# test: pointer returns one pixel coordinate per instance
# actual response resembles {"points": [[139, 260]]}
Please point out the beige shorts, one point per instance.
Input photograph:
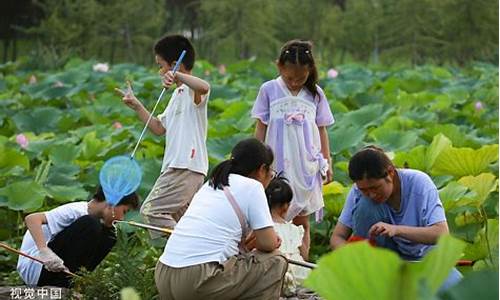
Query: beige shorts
{"points": [[255, 275], [168, 200]]}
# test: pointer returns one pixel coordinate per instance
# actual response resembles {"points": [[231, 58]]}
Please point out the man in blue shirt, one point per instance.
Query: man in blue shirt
{"points": [[399, 209]]}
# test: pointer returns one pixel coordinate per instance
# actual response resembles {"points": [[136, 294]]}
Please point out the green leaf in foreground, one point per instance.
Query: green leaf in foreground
{"points": [[129, 293], [480, 285], [436, 266], [358, 271]]}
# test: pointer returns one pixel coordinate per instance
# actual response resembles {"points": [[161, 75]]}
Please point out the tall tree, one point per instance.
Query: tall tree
{"points": [[87, 28], [15, 14], [243, 27], [469, 29]]}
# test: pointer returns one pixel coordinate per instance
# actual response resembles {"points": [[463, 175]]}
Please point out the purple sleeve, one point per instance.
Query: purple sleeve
{"points": [[260, 108], [324, 116], [346, 214], [434, 212]]}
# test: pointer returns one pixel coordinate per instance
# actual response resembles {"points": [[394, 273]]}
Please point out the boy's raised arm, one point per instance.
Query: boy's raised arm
{"points": [[198, 85], [131, 101]]}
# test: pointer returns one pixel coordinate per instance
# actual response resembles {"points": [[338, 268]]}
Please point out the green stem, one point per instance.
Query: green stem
{"points": [[18, 223], [485, 218]]}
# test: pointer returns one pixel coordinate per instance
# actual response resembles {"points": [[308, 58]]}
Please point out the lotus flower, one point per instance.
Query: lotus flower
{"points": [[58, 84], [22, 141], [32, 79], [117, 125], [222, 69], [101, 67], [332, 73], [478, 106]]}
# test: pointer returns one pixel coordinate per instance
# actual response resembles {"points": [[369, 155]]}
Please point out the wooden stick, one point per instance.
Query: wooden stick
{"points": [[170, 231], [160, 229], [7, 247], [304, 264]]}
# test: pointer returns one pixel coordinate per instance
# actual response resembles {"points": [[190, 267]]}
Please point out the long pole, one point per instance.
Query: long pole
{"points": [[170, 231], [174, 70], [7, 247], [160, 229]]}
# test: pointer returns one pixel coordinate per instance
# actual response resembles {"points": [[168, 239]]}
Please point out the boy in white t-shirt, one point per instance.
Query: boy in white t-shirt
{"points": [[69, 237], [184, 123]]}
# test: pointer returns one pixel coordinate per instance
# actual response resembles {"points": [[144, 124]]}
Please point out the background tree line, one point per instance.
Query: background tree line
{"points": [[48, 32]]}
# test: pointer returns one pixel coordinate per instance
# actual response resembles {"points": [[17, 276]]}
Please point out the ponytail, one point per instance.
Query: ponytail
{"points": [[278, 192], [311, 82], [220, 175], [246, 157]]}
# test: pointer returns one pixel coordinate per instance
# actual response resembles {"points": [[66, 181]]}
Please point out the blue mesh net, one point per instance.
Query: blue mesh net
{"points": [[119, 176]]}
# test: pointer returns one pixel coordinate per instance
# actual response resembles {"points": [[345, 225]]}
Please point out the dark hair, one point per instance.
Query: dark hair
{"points": [[278, 192], [131, 200], [299, 52], [170, 47], [247, 156], [369, 163]]}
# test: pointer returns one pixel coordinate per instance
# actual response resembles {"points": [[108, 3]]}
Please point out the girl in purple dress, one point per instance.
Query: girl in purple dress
{"points": [[292, 115]]}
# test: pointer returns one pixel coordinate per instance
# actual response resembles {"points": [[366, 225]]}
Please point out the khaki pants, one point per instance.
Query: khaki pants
{"points": [[170, 197], [254, 275]]}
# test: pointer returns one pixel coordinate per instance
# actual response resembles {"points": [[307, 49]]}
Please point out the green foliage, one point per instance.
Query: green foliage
{"points": [[482, 185], [375, 31], [238, 27], [465, 161], [426, 117], [116, 272], [129, 294], [108, 29], [481, 285], [17, 199], [359, 271]]}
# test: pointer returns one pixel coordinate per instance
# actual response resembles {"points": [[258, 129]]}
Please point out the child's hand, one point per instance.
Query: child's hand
{"points": [[278, 241], [384, 229], [250, 242], [329, 176], [168, 79], [327, 172], [52, 262], [129, 98]]}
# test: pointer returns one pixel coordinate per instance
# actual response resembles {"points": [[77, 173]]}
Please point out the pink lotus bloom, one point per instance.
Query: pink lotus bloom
{"points": [[478, 106], [117, 125], [222, 69], [22, 141], [32, 79], [332, 73], [101, 67]]}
